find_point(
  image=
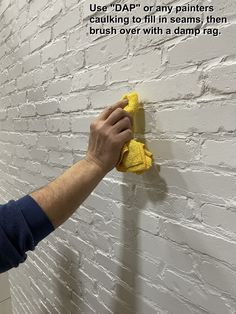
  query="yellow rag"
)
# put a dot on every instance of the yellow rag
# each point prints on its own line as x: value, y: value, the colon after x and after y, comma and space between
x: 135, y: 157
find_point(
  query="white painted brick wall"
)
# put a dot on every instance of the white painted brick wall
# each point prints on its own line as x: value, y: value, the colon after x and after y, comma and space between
x: 162, y: 242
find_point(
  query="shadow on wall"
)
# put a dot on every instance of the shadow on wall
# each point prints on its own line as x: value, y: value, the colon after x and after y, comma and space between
x: 68, y: 280
x: 128, y: 253
x: 65, y: 282
x: 68, y: 288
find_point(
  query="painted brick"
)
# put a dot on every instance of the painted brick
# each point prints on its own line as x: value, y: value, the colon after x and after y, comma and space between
x: 110, y: 49
x: 50, y: 13
x: 78, y: 38
x: 6, y: 62
x: 58, y: 124
x: 197, y: 119
x: 4, y: 5
x: 31, y: 63
x: 8, y: 88
x: 25, y: 81
x: 63, y: 159
x: 201, y: 182
x: 222, y: 153
x: 98, y: 274
x: 101, y: 99
x: 10, y: 13
x: 27, y: 110
x: 54, y: 50
x: 215, y: 246
x: 23, y: 50
x: 75, y: 142
x: 81, y: 124
x: 188, y: 52
x: 70, y: 64
x: 172, y: 150
x: 59, y: 87
x: 3, y: 115
x: 44, y: 74
x: 37, y: 125
x: 74, y: 103
x: 36, y: 94
x: 222, y: 79
x: 182, y: 86
x: 148, y: 222
x: 46, y: 108
x: 36, y: 7
x: 29, y: 30
x: 162, y: 298
x: 4, y: 77
x: 4, y: 35
x: 225, y: 282
x: 159, y: 248
x: 136, y: 68
x: 225, y: 9
x: 3, y: 51
x: 218, y: 216
x: 15, y: 71
x: 48, y: 141
x: 40, y: 39
x: 194, y: 293
x: 89, y: 79
x: 67, y: 21
x: 161, y: 242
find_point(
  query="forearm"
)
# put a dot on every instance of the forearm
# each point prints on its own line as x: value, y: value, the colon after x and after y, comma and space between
x: 60, y: 198
x: 109, y: 132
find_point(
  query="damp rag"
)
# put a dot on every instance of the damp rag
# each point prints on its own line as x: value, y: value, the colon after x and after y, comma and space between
x: 135, y: 157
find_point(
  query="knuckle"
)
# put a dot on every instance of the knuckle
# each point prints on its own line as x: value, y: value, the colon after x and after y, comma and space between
x: 110, y: 108
x: 93, y: 125
x: 129, y: 134
x: 107, y: 134
x: 104, y: 130
x: 119, y: 110
x: 98, y: 127
x: 129, y: 131
x: 127, y: 120
x: 101, y: 128
x: 129, y: 117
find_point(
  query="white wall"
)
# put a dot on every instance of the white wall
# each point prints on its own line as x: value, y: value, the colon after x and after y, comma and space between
x: 5, y: 297
x: 162, y: 242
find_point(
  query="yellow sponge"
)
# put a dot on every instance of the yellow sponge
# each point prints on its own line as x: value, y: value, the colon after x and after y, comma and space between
x: 135, y: 157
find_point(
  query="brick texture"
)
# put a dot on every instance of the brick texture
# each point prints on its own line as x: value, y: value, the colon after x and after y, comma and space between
x: 162, y: 242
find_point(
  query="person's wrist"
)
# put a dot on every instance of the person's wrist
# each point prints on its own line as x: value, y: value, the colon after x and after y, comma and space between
x: 96, y: 165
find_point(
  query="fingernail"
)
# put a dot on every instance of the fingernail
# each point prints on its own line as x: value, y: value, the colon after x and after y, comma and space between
x: 126, y: 101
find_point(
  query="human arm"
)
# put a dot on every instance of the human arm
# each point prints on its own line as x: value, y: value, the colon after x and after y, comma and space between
x: 22, y: 225
x: 108, y: 133
x: 25, y: 222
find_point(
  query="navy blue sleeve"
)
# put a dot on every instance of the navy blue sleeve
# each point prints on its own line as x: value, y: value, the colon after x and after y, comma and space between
x: 23, y: 224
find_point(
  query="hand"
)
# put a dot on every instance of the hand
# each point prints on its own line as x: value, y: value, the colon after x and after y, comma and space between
x: 108, y: 134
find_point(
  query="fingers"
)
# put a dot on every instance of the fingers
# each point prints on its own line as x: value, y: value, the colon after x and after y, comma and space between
x: 106, y: 113
x: 122, y: 125
x: 117, y: 115
x: 125, y: 136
